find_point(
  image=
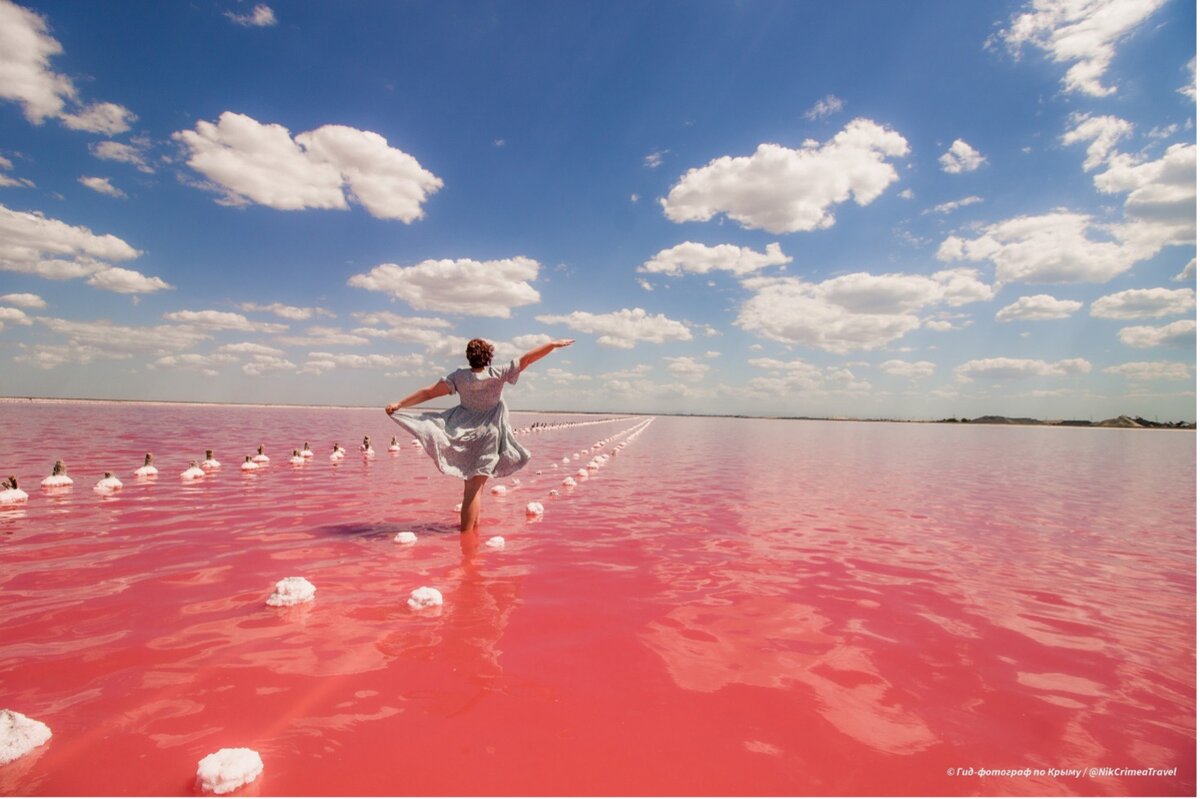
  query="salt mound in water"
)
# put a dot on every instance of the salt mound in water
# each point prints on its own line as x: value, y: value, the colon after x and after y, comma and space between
x: 570, y: 481
x: 495, y: 542
x: 554, y: 492
x: 226, y: 770
x: 534, y: 509
x: 19, y: 735
x: 405, y: 538
x: 425, y: 597
x: 292, y: 591
x: 499, y: 490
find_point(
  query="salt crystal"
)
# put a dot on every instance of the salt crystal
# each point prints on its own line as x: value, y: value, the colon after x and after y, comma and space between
x: 495, y: 542
x: 19, y: 735
x: 570, y: 481
x: 425, y: 597
x: 292, y: 591
x: 227, y: 770
x: 499, y: 490
x: 534, y: 509
x: 554, y: 492
x: 405, y: 538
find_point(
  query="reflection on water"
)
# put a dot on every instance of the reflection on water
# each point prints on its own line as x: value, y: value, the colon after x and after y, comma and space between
x: 725, y: 606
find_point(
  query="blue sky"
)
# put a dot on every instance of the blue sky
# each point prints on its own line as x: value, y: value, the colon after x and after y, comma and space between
x: 910, y: 210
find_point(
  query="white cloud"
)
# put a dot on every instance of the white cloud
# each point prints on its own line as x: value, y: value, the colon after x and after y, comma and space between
x: 852, y: 312
x: 251, y: 162
x: 127, y: 281
x: 687, y: 368
x: 222, y: 320
x: 655, y: 159
x: 1051, y: 248
x: 798, y: 376
x: 23, y: 300
x: 907, y: 194
x: 102, y: 185
x: 107, y: 118
x: 623, y: 328
x: 701, y: 259
x: 207, y: 364
x: 913, y: 371
x: 462, y: 286
x: 319, y: 362
x: 50, y: 356
x: 318, y: 336
x: 37, y: 245
x: 1140, y: 303
x: 953, y: 205
x: 782, y: 190
x: 1083, y: 33
x: 1189, y: 90
x: 260, y: 364
x: 261, y: 17
x: 133, y: 153
x: 8, y: 180
x: 249, y: 348
x: 1103, y: 133
x: 1177, y: 334
x: 1020, y: 368
x: 119, y: 340
x: 14, y: 316
x: 645, y: 284
x: 1143, y: 371
x: 1161, y: 207
x: 1188, y: 273
x: 286, y: 311
x: 634, y: 197
x: 961, y: 157
x: 26, y: 77
x: 1038, y: 307
x: 825, y: 107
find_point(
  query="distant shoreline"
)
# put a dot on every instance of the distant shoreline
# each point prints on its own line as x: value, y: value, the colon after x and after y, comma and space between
x: 1119, y: 422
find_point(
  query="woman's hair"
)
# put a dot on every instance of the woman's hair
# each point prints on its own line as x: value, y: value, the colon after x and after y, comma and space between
x: 479, y: 353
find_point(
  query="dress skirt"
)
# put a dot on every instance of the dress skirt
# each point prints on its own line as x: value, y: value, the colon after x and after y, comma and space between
x: 467, y: 443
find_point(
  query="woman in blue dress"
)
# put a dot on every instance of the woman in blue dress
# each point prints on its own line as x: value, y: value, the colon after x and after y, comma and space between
x: 473, y: 440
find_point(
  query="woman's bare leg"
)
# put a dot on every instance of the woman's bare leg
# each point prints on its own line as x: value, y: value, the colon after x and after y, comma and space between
x: 472, y: 499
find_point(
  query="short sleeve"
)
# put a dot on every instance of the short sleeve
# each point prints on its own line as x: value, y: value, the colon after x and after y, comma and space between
x: 511, y: 372
x: 449, y: 381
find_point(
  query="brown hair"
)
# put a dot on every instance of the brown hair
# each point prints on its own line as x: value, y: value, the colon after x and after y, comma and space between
x: 479, y: 353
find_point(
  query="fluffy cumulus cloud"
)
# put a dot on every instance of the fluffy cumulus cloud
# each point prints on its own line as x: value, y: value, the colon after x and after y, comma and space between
x: 961, y: 157
x: 1188, y: 273
x: 1051, y: 248
x: 911, y: 370
x: 23, y: 300
x: 687, y: 368
x: 206, y: 364
x: 953, y: 205
x: 102, y: 186
x: 13, y: 316
x: 858, y: 311
x: 247, y: 161
x: 319, y: 336
x: 127, y: 281
x: 38, y: 245
x: 1160, y: 208
x: 319, y: 362
x: 623, y: 328
x: 222, y: 320
x: 461, y: 286
x: 1020, y: 368
x: 1039, y: 307
x: 133, y: 153
x: 1103, y: 133
x: 27, y: 78
x: 1180, y: 335
x: 797, y: 376
x: 700, y: 259
x: 104, y: 339
x: 249, y: 348
x: 1145, y: 303
x: 1082, y: 33
x: 1145, y: 371
x: 292, y: 312
x: 784, y: 190
x: 260, y: 17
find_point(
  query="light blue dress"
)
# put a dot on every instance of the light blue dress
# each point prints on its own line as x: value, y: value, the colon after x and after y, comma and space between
x: 474, y: 437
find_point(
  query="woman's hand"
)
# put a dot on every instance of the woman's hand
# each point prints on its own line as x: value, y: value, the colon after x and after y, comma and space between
x: 389, y: 410
x: 563, y: 342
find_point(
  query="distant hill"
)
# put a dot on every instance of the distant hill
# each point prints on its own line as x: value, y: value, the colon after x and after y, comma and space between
x: 1129, y: 422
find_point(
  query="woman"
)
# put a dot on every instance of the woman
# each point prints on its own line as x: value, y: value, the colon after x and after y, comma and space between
x: 473, y: 440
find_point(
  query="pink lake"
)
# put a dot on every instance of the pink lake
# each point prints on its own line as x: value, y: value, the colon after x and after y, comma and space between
x: 727, y: 606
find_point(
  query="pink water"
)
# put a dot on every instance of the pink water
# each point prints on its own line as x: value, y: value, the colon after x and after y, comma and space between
x: 726, y: 607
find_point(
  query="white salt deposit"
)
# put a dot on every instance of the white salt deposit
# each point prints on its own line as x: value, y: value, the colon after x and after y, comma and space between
x: 108, y: 485
x: 554, y: 492
x: 146, y: 471
x: 568, y: 482
x: 425, y: 597
x: 405, y: 538
x: 227, y: 770
x: 499, y: 490
x: 249, y: 465
x: 292, y: 591
x: 566, y: 459
x: 582, y: 474
x: 458, y: 507
x: 57, y: 481
x: 534, y: 509
x: 19, y: 735
x: 495, y: 542
x: 193, y: 472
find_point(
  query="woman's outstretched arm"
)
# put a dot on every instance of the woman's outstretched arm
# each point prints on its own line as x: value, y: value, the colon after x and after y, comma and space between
x: 438, y: 389
x: 537, y: 353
